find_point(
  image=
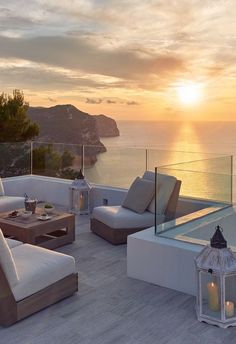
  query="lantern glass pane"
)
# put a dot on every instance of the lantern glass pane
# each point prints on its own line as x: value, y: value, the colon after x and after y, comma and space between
x: 210, y: 293
x: 230, y: 296
x: 75, y: 200
x: 83, y: 201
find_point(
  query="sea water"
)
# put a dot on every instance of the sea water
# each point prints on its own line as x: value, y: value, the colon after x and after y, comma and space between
x: 199, y: 153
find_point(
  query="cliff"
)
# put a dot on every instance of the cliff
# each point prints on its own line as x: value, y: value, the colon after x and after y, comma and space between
x: 65, y: 124
x: 106, y: 126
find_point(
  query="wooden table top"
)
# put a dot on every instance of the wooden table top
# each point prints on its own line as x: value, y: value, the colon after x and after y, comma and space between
x: 33, y: 220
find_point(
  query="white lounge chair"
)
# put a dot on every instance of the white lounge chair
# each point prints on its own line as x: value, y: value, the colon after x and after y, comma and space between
x: 115, y: 223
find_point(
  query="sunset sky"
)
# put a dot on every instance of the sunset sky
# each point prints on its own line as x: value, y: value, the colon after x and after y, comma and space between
x: 131, y: 59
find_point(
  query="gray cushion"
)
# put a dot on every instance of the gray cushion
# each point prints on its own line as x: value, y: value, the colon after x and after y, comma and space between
x: 139, y: 195
x: 165, y: 187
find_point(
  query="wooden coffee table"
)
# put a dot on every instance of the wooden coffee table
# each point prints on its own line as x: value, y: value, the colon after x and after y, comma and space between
x: 58, y: 231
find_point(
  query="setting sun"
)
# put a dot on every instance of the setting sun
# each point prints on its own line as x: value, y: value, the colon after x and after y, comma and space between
x: 189, y: 93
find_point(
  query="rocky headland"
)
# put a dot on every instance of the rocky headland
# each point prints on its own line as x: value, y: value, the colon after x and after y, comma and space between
x: 67, y: 124
x: 106, y: 126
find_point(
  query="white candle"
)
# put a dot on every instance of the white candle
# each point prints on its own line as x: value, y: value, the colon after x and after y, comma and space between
x: 81, y: 202
x: 213, y: 298
x: 229, y: 309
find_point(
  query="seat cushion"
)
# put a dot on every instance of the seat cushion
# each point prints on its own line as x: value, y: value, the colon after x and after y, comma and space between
x: 165, y: 187
x: 1, y: 188
x: 139, y: 195
x: 13, y: 243
x: 7, y: 262
x: 9, y: 203
x: 119, y: 217
x: 38, y: 268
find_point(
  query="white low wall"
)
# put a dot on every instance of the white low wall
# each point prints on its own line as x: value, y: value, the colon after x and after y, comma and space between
x: 165, y: 262
x: 56, y: 190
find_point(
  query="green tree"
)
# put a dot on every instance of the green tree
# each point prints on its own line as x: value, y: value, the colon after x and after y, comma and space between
x: 15, y: 130
x: 46, y: 161
x: 15, y: 125
x: 50, y: 162
x: 66, y: 159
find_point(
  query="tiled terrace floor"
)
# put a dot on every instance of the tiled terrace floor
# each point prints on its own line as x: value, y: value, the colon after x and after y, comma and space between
x: 112, y: 308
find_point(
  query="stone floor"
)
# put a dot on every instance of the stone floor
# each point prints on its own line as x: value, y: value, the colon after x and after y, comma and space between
x: 112, y: 308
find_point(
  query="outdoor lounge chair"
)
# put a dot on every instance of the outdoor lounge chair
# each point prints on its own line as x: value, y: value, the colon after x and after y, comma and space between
x: 115, y: 223
x: 32, y: 278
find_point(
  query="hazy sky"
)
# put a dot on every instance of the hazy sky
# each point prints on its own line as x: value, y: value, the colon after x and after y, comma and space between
x: 126, y: 58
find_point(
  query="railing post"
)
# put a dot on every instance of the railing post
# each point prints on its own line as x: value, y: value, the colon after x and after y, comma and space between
x: 146, y: 160
x: 31, y: 157
x: 82, y: 159
x: 155, y: 220
x: 232, y: 173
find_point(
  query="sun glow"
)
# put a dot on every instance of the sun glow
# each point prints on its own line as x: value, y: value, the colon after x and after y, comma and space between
x: 189, y: 93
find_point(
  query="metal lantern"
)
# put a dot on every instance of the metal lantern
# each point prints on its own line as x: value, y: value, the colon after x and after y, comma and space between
x: 216, y: 275
x: 79, y: 195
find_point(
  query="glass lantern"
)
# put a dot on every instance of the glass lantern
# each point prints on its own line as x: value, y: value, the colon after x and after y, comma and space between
x: 216, y: 275
x: 79, y: 195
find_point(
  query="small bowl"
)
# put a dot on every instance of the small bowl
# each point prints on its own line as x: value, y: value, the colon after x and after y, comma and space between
x: 49, y: 210
x: 26, y: 214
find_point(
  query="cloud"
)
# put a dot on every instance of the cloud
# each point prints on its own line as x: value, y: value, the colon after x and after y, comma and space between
x: 39, y: 77
x: 132, y: 103
x: 93, y: 101
x: 77, y: 54
x: 52, y: 100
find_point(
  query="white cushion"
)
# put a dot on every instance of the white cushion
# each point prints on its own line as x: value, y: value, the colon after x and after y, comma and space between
x: 7, y: 262
x: 139, y: 195
x: 13, y: 243
x: 119, y: 217
x: 1, y: 188
x: 38, y: 268
x: 165, y: 187
x: 9, y: 203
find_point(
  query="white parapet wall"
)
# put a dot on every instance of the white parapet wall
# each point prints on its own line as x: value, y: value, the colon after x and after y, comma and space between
x: 162, y: 261
x: 56, y: 190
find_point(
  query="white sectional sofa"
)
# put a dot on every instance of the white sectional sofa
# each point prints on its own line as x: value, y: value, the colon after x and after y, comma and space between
x: 9, y: 203
x: 32, y: 278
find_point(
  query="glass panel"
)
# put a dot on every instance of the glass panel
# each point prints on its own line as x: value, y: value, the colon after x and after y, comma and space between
x: 230, y: 296
x: 57, y: 160
x: 210, y: 296
x: 117, y: 167
x: 209, y: 179
x: 15, y: 159
x: 202, y: 193
x: 156, y: 157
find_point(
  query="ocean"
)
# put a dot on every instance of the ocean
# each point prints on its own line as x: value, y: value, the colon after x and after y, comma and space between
x: 199, y: 153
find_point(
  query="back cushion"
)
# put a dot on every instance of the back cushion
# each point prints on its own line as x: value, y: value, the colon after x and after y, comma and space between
x: 1, y: 188
x: 139, y: 195
x: 7, y: 262
x: 165, y: 187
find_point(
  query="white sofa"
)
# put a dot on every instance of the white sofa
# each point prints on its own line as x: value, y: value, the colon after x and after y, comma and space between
x: 13, y: 243
x: 32, y: 278
x: 9, y: 203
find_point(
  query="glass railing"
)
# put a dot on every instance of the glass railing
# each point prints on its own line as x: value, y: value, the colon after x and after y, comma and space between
x: 57, y: 159
x: 117, y: 167
x: 206, y: 187
x: 109, y: 166
x: 15, y: 159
